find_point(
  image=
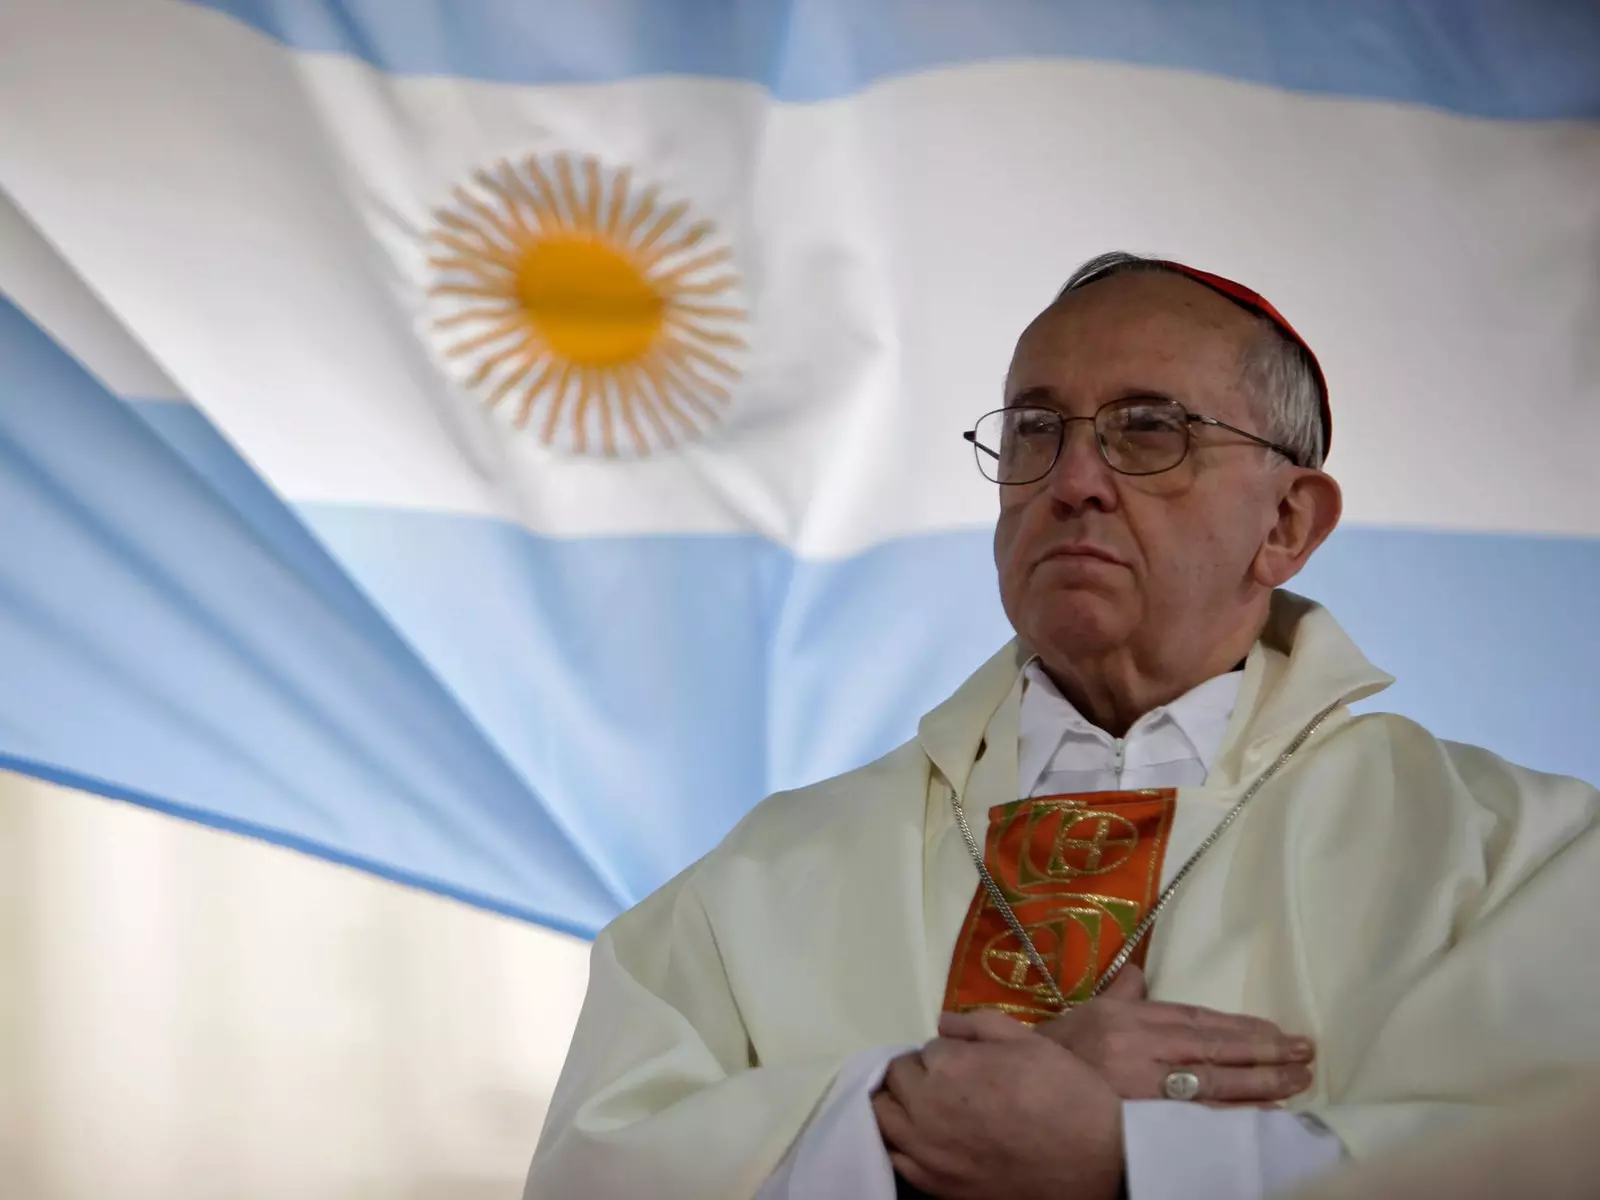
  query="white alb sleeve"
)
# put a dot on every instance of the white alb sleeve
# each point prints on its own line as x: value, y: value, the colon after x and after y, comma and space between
x: 840, y: 1152
x: 1176, y: 1150
x: 1173, y: 1150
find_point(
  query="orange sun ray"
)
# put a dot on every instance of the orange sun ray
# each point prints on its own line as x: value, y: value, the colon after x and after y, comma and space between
x: 641, y: 214
x: 569, y: 191
x: 680, y: 351
x: 619, y: 201
x: 465, y: 257
x: 467, y: 289
x: 483, y: 268
x: 694, y: 266
x: 531, y: 394
x: 476, y: 249
x: 546, y: 190
x: 580, y: 410
x: 627, y: 392
x: 521, y: 197
x: 711, y: 287
x: 558, y: 396
x: 513, y: 210
x: 711, y: 337
x: 655, y: 410
x: 459, y: 225
x: 593, y: 191
x: 608, y: 433
x: 669, y: 217
x: 489, y: 337
x: 662, y: 390
x: 687, y: 240
x: 526, y: 363
x: 683, y: 373
x: 687, y: 386
x: 694, y: 396
x: 493, y: 362
x: 487, y: 215
x: 467, y: 315
x: 712, y: 311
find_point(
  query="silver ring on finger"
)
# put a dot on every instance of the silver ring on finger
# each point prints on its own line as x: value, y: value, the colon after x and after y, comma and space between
x: 1181, y: 1085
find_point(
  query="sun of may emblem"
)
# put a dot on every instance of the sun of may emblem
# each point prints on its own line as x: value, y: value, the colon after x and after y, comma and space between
x: 601, y: 317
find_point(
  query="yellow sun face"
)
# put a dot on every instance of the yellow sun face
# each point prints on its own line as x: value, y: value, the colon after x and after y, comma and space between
x: 599, y: 317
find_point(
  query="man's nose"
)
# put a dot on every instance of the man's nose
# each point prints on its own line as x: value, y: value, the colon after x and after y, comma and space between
x: 1081, y: 476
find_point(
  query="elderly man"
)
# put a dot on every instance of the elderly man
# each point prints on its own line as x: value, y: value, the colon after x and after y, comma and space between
x: 1143, y: 907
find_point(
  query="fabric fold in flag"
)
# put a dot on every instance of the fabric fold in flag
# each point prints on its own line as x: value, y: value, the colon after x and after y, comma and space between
x: 157, y: 650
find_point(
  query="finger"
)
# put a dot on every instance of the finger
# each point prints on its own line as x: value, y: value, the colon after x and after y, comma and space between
x: 949, y: 1058
x: 1060, y: 1030
x: 1274, y: 1050
x: 913, y: 1172
x: 1228, y: 1036
x: 985, y: 1025
x: 1128, y: 985
x: 1250, y: 1085
x: 905, y: 1075
x: 905, y: 1145
x: 894, y: 1123
x: 1238, y: 1048
x: 937, y: 1054
x: 1192, y: 1016
x: 1222, y: 1049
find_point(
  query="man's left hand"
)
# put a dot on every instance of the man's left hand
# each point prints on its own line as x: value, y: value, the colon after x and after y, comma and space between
x: 1001, y: 1112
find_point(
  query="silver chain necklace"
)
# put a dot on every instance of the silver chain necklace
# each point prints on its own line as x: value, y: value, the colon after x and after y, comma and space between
x: 1144, y: 926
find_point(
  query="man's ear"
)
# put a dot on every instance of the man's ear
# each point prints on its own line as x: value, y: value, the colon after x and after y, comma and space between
x: 1309, y: 505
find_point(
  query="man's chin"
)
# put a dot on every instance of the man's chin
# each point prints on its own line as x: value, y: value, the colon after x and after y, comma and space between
x: 1082, y: 620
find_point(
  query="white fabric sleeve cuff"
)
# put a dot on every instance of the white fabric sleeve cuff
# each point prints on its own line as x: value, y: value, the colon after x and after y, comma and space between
x: 1176, y: 1150
x: 840, y: 1152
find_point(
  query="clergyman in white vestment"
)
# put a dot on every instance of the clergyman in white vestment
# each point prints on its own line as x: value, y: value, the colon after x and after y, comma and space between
x: 1143, y: 909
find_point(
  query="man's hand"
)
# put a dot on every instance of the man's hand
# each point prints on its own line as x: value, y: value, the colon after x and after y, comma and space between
x: 1133, y: 1043
x: 1002, y: 1112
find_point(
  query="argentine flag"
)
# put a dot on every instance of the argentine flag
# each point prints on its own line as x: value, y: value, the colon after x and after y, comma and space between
x: 494, y: 443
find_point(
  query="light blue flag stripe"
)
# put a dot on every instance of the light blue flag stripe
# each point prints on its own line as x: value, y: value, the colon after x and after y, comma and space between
x: 157, y: 646
x: 1511, y: 59
x: 653, y: 688
x: 273, y: 523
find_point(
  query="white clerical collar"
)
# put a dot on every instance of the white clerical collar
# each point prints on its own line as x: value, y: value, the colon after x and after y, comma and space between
x: 1168, y: 746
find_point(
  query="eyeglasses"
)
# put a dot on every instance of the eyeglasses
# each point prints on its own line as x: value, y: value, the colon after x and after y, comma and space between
x: 1139, y: 435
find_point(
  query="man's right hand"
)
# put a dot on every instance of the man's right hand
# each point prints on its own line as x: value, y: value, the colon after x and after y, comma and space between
x: 1133, y: 1043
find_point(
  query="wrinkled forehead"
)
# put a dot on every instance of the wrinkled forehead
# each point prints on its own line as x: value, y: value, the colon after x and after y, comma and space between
x: 1158, y: 334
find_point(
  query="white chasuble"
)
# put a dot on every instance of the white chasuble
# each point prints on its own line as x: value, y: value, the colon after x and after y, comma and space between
x: 1419, y: 908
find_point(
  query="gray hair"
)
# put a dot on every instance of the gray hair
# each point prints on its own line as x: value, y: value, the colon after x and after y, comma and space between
x: 1276, y: 370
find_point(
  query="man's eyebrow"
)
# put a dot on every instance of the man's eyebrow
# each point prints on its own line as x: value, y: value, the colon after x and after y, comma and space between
x: 1046, y: 397
x: 1034, y: 395
x: 1144, y: 393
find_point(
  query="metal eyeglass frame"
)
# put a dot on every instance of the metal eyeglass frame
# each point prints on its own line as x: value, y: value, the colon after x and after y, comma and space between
x: 1190, y: 419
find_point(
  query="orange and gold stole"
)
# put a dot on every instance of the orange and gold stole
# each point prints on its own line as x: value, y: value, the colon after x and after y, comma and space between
x: 1080, y: 872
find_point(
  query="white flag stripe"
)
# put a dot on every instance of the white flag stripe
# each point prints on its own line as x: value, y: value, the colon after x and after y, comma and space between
x: 36, y: 278
x: 883, y: 316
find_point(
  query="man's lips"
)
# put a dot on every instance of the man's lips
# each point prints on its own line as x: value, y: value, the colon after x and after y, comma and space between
x: 1082, y: 550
